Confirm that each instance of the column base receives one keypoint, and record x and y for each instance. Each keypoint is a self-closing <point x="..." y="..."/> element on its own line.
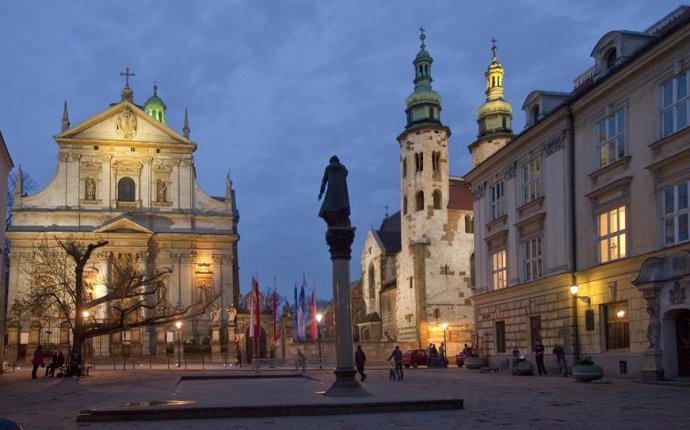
<point x="346" y="385"/>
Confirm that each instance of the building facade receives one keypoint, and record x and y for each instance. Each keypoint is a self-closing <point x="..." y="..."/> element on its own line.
<point x="416" y="271"/>
<point x="6" y="166"/>
<point x="124" y="176"/>
<point x="581" y="230"/>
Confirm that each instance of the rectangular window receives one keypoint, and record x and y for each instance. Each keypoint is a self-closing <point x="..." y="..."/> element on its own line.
<point x="531" y="180"/>
<point x="533" y="260"/>
<point x="498" y="269"/>
<point x="612" y="235"/>
<point x="500" y="336"/>
<point x="676" y="213"/>
<point x="611" y="138"/>
<point x="497" y="197"/>
<point x="617" y="326"/>
<point x="674" y="105"/>
<point x="535" y="329"/>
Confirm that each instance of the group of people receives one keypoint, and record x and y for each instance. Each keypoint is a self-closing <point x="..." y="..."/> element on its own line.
<point x="539" y="351"/>
<point x="437" y="357"/>
<point x="58" y="360"/>
<point x="396" y="370"/>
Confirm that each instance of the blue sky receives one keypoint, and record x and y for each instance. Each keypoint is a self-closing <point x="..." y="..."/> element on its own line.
<point x="274" y="88"/>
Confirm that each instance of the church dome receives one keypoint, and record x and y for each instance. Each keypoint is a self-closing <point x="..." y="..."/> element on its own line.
<point x="495" y="106"/>
<point x="155" y="107"/>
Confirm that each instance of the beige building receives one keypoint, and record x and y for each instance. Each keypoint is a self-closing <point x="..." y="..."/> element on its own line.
<point x="6" y="166"/>
<point x="416" y="267"/>
<point x="593" y="194"/>
<point x="124" y="176"/>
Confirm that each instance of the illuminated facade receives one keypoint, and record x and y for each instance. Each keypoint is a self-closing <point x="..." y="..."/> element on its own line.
<point x="593" y="194"/>
<point x="124" y="176"/>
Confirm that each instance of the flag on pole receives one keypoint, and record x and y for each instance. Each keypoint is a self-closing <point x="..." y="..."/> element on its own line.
<point x="255" y="311"/>
<point x="312" y="311"/>
<point x="294" y="317"/>
<point x="301" y="315"/>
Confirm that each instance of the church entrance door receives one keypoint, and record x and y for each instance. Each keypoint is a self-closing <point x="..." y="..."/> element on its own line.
<point x="683" y="342"/>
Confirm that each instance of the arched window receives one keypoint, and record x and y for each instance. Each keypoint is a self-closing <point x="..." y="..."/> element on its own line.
<point x="126" y="189"/>
<point x="436" y="161"/>
<point x="611" y="58"/>
<point x="437" y="199"/>
<point x="372" y="289"/>
<point x="405" y="205"/>
<point x="420" y="200"/>
<point x="468" y="224"/>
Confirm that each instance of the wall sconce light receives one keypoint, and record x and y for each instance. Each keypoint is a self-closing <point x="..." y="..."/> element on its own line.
<point x="620" y="313"/>
<point x="573" y="292"/>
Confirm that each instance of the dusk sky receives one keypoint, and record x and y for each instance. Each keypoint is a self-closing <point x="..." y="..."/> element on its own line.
<point x="274" y="88"/>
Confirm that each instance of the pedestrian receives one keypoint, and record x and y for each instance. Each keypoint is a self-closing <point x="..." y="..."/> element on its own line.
<point x="516" y="356"/>
<point x="360" y="359"/>
<point x="467" y="351"/>
<point x="239" y="358"/>
<point x="37" y="361"/>
<point x="442" y="352"/>
<point x="539" y="355"/>
<point x="58" y="361"/>
<point x="559" y="352"/>
<point x="301" y="360"/>
<point x="397" y="357"/>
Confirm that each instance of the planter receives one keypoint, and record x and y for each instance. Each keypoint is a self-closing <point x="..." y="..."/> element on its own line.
<point x="587" y="373"/>
<point x="523" y="368"/>
<point x="474" y="362"/>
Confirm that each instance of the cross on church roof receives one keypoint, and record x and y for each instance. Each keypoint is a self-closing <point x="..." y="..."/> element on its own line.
<point x="493" y="47"/>
<point x="422" y="37"/>
<point x="126" y="74"/>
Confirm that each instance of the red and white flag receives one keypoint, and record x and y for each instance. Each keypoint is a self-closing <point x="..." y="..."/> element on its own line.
<point x="312" y="311"/>
<point x="255" y="311"/>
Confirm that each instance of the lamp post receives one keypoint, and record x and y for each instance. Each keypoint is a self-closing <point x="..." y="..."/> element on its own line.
<point x="178" y="324"/>
<point x="319" y="317"/>
<point x="86" y="315"/>
<point x="445" y="345"/>
<point x="573" y="292"/>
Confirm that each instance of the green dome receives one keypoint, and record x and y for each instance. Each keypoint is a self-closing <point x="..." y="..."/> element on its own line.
<point x="155" y="107"/>
<point x="423" y="95"/>
<point x="495" y="106"/>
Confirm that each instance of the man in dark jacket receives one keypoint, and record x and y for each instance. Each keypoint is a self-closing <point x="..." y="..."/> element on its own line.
<point x="539" y="355"/>
<point x="360" y="359"/>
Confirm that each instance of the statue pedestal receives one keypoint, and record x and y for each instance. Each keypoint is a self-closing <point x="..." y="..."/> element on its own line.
<point x="215" y="343"/>
<point x="160" y="341"/>
<point x="339" y="240"/>
<point x="653" y="368"/>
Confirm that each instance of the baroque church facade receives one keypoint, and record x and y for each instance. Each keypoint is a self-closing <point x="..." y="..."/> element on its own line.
<point x="125" y="176"/>
<point x="416" y="268"/>
<point x="581" y="220"/>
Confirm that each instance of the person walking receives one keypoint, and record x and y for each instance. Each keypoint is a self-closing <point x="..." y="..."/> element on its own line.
<point x="360" y="359"/>
<point x="516" y="357"/>
<point x="37" y="361"/>
<point x="397" y="357"/>
<point x="539" y="355"/>
<point x="559" y="352"/>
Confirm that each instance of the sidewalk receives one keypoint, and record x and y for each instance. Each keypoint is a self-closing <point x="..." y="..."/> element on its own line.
<point x="491" y="400"/>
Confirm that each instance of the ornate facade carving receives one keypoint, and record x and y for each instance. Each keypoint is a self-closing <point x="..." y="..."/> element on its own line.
<point x="126" y="124"/>
<point x="677" y="294"/>
<point x="553" y="144"/>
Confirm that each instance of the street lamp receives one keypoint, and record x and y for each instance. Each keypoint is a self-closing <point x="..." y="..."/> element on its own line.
<point x="445" y="345"/>
<point x="178" y="324"/>
<point x="319" y="317"/>
<point x="86" y="315"/>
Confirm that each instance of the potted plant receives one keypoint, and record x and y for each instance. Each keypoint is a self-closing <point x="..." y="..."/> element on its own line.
<point x="586" y="371"/>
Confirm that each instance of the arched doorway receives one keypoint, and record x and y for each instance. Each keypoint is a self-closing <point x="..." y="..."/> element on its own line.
<point x="683" y="342"/>
<point x="251" y="343"/>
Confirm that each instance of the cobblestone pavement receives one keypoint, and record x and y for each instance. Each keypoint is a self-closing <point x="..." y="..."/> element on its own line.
<point x="492" y="400"/>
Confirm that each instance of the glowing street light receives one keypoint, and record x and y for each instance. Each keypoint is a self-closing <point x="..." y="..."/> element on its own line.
<point x="178" y="324"/>
<point x="319" y="317"/>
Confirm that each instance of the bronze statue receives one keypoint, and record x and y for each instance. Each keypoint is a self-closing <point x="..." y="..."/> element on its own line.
<point x="335" y="209"/>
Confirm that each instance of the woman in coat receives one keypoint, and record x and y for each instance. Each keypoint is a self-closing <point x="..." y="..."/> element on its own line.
<point x="37" y="361"/>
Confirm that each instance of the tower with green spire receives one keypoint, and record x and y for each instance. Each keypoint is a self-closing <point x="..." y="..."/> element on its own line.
<point x="495" y="116"/>
<point x="155" y="107"/>
<point x="424" y="104"/>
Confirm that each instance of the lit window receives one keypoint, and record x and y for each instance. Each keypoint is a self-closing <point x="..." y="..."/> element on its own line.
<point x="531" y="180"/>
<point x="499" y="272"/>
<point x="611" y="138"/>
<point x="497" y="201"/>
<point x="617" y="326"/>
<point x="674" y="105"/>
<point x="533" y="260"/>
<point x="612" y="241"/>
<point x="676" y="213"/>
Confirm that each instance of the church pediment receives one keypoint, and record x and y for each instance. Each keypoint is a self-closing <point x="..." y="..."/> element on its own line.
<point x="124" y="122"/>
<point x="122" y="225"/>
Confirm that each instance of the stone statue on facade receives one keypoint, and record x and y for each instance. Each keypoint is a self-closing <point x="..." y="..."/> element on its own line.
<point x="215" y="314"/>
<point x="162" y="191"/>
<point x="232" y="312"/>
<point x="90" y="192"/>
<point x="335" y="209"/>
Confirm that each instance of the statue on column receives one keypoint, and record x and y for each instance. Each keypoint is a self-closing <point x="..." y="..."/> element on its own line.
<point x="335" y="209"/>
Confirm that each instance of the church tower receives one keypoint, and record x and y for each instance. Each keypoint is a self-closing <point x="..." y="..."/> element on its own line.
<point x="495" y="116"/>
<point x="424" y="196"/>
<point x="155" y="107"/>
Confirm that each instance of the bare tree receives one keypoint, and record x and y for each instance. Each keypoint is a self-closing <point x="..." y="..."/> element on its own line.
<point x="62" y="287"/>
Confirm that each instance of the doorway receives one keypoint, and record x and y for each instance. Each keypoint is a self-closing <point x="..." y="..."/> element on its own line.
<point x="683" y="342"/>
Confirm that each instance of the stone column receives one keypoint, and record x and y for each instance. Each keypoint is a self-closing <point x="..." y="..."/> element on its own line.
<point x="12" y="343"/>
<point x="215" y="343"/>
<point x="63" y="344"/>
<point x="136" y="342"/>
<point x="34" y="338"/>
<point x="160" y="341"/>
<point x="339" y="240"/>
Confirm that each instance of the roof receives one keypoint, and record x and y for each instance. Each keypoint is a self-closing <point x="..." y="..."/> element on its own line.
<point x="459" y="195"/>
<point x="389" y="233"/>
